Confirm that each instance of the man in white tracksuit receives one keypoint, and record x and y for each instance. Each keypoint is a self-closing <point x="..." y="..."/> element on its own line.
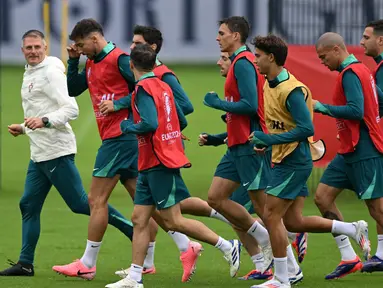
<point x="47" y="111"/>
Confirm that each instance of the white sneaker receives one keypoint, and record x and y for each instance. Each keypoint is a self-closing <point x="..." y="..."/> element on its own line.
<point x="275" y="283"/>
<point x="233" y="257"/>
<point x="127" y="282"/>
<point x="123" y="273"/>
<point x="296" y="278"/>
<point x="268" y="257"/>
<point x="361" y="237"/>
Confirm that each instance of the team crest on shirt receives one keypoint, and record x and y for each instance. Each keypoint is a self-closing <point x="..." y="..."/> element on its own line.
<point x="168" y="106"/>
<point x="30" y="87"/>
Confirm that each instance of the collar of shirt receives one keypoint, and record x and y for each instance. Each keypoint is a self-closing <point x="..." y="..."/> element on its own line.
<point x="158" y="62"/>
<point x="239" y="50"/>
<point x="282" y="76"/>
<point x="147" y="75"/>
<point x="105" y="51"/>
<point x="41" y="64"/>
<point x="348" y="61"/>
<point x="379" y="58"/>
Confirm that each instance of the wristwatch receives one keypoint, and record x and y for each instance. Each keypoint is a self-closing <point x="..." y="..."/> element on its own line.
<point x="45" y="121"/>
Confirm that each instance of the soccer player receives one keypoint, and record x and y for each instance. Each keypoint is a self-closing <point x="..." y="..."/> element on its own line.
<point x="158" y="122"/>
<point x="244" y="107"/>
<point x="47" y="112"/>
<point x="107" y="76"/>
<point x="288" y="116"/>
<point x="356" y="110"/>
<point x="241" y="196"/>
<point x="192" y="205"/>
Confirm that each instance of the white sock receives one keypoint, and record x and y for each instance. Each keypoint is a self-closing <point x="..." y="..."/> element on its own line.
<point x="258" y="260"/>
<point x="89" y="259"/>
<point x="291" y="235"/>
<point x="223" y="245"/>
<point x="345" y="248"/>
<point x="292" y="265"/>
<point x="135" y="272"/>
<point x="341" y="228"/>
<point x="259" y="233"/>
<point x="379" y="249"/>
<point x="216" y="215"/>
<point x="280" y="265"/>
<point x="181" y="240"/>
<point x="149" y="259"/>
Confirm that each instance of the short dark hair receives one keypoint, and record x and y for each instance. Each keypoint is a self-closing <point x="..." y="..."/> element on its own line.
<point x="33" y="33"/>
<point x="85" y="27"/>
<point x="150" y="34"/>
<point x="237" y="24"/>
<point x="272" y="44"/>
<point x="377" y="25"/>
<point x="143" y="57"/>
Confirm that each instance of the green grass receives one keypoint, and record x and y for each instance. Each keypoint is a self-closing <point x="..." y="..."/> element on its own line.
<point x="63" y="234"/>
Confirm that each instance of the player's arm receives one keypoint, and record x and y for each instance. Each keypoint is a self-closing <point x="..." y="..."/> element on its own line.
<point x="354" y="108"/>
<point x="148" y="114"/>
<point x="76" y="81"/>
<point x="59" y="92"/>
<point x="179" y="94"/>
<point x="296" y="105"/>
<point x="181" y="117"/>
<point x="246" y="77"/>
<point x="123" y="103"/>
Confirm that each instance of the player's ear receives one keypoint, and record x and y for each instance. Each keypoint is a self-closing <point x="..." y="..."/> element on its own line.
<point x="380" y="40"/>
<point x="131" y="65"/>
<point x="154" y="47"/>
<point x="271" y="57"/>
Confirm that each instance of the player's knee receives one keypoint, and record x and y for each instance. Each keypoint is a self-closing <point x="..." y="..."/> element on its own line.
<point x="23" y="205"/>
<point x="292" y="224"/>
<point x="173" y="223"/>
<point x="138" y="221"/>
<point x="214" y="202"/>
<point x="96" y="202"/>
<point x="322" y="201"/>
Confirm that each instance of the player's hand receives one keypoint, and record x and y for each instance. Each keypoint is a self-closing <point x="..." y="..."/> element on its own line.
<point x="211" y="99"/>
<point x="106" y="106"/>
<point x="225" y="140"/>
<point x="259" y="150"/>
<point x="33" y="123"/>
<point x="183" y="137"/>
<point x="15" y="129"/>
<point x="202" y="139"/>
<point x="72" y="51"/>
<point x="337" y="137"/>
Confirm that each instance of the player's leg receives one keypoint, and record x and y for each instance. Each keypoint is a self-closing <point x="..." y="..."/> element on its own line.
<point x="67" y="181"/>
<point x="173" y="191"/>
<point x="143" y="209"/>
<point x="105" y="177"/>
<point x="370" y="189"/>
<point x="128" y="178"/>
<point x="229" y="173"/>
<point x="198" y="207"/>
<point x="274" y="211"/>
<point x="36" y="188"/>
<point x="332" y="183"/>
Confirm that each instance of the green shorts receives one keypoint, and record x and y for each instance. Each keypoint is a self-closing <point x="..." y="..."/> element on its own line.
<point x="365" y="177"/>
<point x="288" y="183"/>
<point x="117" y="157"/>
<point x="251" y="171"/>
<point x="162" y="187"/>
<point x="241" y="196"/>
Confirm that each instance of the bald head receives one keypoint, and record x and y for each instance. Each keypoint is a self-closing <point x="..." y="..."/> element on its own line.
<point x="329" y="40"/>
